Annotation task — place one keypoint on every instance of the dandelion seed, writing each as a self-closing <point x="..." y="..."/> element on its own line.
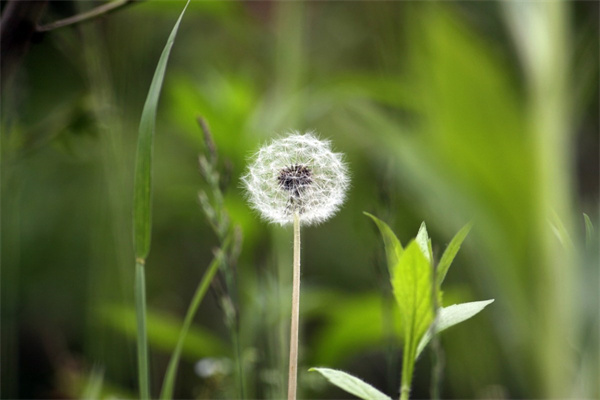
<point x="297" y="174"/>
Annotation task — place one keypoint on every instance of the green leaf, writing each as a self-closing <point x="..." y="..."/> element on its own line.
<point x="450" y="316"/>
<point x="424" y="242"/>
<point x="142" y="218"/>
<point x="412" y="282"/>
<point x="589" y="230"/>
<point x="393" y="247"/>
<point x="413" y="291"/>
<point x="451" y="252"/>
<point x="351" y="384"/>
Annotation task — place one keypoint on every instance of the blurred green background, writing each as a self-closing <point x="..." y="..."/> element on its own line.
<point x="447" y="113"/>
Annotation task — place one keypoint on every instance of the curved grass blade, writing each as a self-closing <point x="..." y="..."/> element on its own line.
<point x="142" y="199"/>
<point x="170" y="375"/>
<point x="351" y="384"/>
<point x="143" y="167"/>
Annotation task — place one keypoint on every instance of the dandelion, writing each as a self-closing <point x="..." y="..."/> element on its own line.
<point x="297" y="174"/>
<point x="296" y="179"/>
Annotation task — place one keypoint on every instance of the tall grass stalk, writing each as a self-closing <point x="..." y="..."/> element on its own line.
<point x="142" y="337"/>
<point x="213" y="206"/>
<point x="170" y="375"/>
<point x="142" y="200"/>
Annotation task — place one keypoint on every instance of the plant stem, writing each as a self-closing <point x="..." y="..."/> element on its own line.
<point x="142" y="339"/>
<point x="293" y="372"/>
<point x="171" y="374"/>
<point x="408" y="364"/>
<point x="85" y="16"/>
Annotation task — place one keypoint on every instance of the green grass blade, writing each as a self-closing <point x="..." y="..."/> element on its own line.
<point x="142" y="338"/>
<point x="169" y="380"/>
<point x="393" y="247"/>
<point x="451" y="252"/>
<point x="142" y="199"/>
<point x="143" y="167"/>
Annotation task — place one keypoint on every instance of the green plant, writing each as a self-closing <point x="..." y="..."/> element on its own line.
<point x="294" y="180"/>
<point x="416" y="283"/>
<point x="142" y="218"/>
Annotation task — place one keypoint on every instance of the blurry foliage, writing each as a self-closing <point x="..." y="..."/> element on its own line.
<point x="447" y="112"/>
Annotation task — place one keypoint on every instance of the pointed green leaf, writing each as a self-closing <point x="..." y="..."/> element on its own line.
<point x="450" y="316"/>
<point x="412" y="283"/>
<point x="423" y="241"/>
<point x="450" y="253"/>
<point x="142" y="199"/>
<point x="393" y="247"/>
<point x="351" y="384"/>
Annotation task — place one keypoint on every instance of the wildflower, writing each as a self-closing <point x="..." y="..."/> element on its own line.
<point x="297" y="174"/>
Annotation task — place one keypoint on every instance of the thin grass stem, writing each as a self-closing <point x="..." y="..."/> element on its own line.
<point x="170" y="375"/>
<point x="293" y="370"/>
<point x="142" y="338"/>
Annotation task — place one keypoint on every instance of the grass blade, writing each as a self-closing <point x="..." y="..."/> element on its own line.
<point x="169" y="380"/>
<point x="143" y="167"/>
<point x="142" y="199"/>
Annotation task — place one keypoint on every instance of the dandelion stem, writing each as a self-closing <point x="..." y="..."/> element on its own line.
<point x="293" y="371"/>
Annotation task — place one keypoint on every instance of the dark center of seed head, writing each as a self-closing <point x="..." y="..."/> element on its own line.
<point x="295" y="179"/>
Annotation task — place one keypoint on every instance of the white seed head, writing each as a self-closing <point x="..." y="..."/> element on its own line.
<point x="297" y="174"/>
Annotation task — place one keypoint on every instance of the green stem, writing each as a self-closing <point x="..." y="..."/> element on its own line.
<point x="408" y="366"/>
<point x="142" y="338"/>
<point x="169" y="382"/>
<point x="86" y="16"/>
<point x="293" y="370"/>
<point x="407" y="371"/>
<point x="238" y="361"/>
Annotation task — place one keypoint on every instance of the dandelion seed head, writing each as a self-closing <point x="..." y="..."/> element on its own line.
<point x="300" y="174"/>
